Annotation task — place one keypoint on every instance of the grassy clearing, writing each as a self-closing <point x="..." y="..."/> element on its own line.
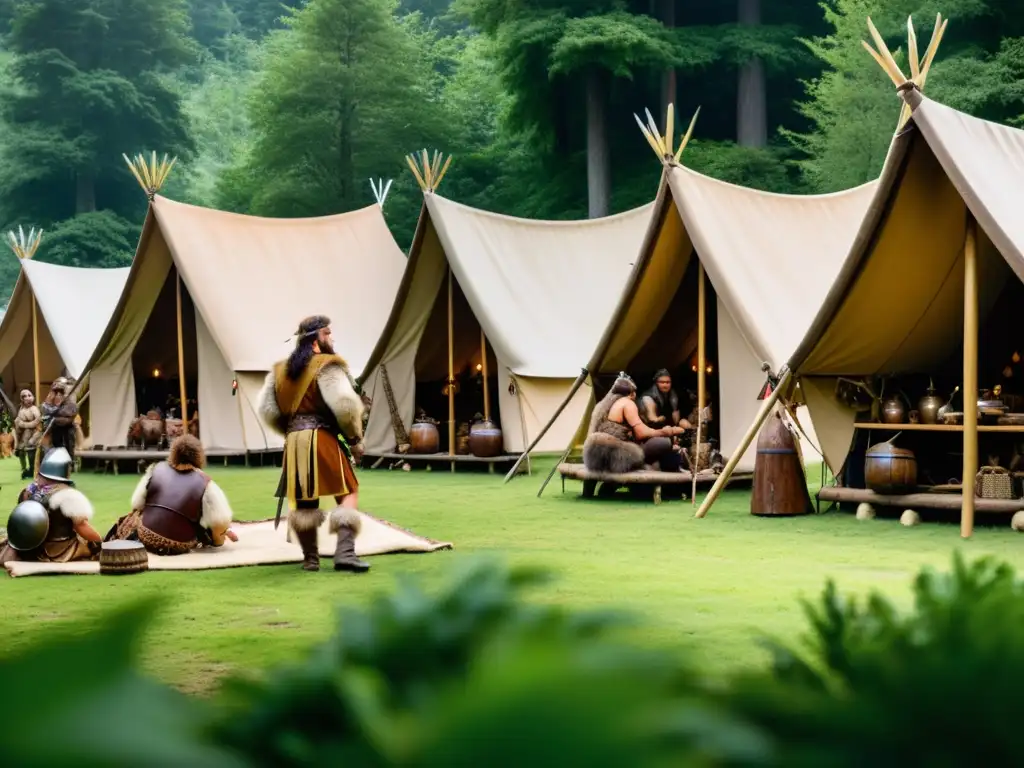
<point x="713" y="584"/>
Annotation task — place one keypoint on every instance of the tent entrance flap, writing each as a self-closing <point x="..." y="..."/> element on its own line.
<point x="155" y="357"/>
<point x="431" y="364"/>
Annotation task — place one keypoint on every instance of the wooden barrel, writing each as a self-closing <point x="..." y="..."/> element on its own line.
<point x="780" y="487"/>
<point x="485" y="439"/>
<point x="123" y="557"/>
<point x="888" y="469"/>
<point x="424" y="438"/>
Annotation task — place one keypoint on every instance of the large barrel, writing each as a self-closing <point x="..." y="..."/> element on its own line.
<point x="424" y="438"/>
<point x="888" y="469"/>
<point x="485" y="439"/>
<point x="780" y="487"/>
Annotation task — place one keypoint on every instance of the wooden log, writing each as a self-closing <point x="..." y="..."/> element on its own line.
<point x="483" y="370"/>
<point x="970" y="388"/>
<point x="917" y="500"/>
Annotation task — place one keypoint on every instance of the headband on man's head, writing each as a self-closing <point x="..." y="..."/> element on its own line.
<point x="311" y="326"/>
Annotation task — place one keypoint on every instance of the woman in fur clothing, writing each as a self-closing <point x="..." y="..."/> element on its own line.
<point x="26" y="432"/>
<point x="618" y="440"/>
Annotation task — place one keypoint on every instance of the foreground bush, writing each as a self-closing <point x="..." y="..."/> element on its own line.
<point x="476" y="675"/>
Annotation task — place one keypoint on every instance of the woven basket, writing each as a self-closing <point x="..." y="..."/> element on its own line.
<point x="994" y="483"/>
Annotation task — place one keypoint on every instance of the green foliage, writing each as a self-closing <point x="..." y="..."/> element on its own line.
<point x="96" y="239"/>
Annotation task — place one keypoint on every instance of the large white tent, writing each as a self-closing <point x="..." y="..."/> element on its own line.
<point x="244" y="283"/>
<point x="70" y="308"/>
<point x="541" y="293"/>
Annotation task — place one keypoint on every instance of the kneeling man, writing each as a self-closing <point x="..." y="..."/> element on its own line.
<point x="51" y="522"/>
<point x="176" y="507"/>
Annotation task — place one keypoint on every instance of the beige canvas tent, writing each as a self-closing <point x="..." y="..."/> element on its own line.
<point x="217" y="296"/>
<point x="768" y="260"/>
<point x="536" y="293"/>
<point x="937" y="264"/>
<point x="56" y="314"/>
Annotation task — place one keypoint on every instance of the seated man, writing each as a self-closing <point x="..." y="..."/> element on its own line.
<point x="619" y="441"/>
<point x="176" y="507"/>
<point x="67" y="534"/>
<point x="660" y="403"/>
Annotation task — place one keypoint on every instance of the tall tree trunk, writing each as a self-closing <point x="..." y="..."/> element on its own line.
<point x="669" y="88"/>
<point x="85" y="192"/>
<point x="598" y="158"/>
<point x="751" y="107"/>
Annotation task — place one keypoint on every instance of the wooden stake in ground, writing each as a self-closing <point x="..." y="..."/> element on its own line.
<point x="970" y="469"/>
<point x="25" y="247"/>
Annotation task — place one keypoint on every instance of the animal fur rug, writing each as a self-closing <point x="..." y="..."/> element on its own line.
<point x="259" y="544"/>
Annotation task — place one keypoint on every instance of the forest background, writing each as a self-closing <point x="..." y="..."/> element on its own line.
<point x="289" y="108"/>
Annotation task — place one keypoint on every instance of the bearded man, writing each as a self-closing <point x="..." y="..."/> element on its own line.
<point x="311" y="399"/>
<point x="52" y="520"/>
<point x="176" y="507"/>
<point x="26" y="432"/>
<point x="661" y="403"/>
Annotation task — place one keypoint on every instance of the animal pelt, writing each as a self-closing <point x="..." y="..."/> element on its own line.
<point x="266" y="405"/>
<point x="6" y="445"/>
<point x="306" y="519"/>
<point x="217" y="515"/>
<point x="341" y="397"/>
<point x="139" y="494"/>
<point x="343" y="517"/>
<point x="73" y="504"/>
<point x="605" y="453"/>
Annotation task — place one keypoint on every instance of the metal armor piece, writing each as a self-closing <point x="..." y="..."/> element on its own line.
<point x="27" y="526"/>
<point x="56" y="466"/>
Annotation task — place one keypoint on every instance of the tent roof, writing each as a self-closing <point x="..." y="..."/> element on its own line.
<point x="74" y="302"/>
<point x="541" y="290"/>
<point x="899" y="297"/>
<point x="770" y="257"/>
<point x="253" y="278"/>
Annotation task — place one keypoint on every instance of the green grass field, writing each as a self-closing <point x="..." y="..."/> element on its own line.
<point x="712" y="584"/>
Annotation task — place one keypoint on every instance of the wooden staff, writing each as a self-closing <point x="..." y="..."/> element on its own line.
<point x="701" y="384"/>
<point x="181" y="362"/>
<point x="35" y="346"/>
<point x="451" y="369"/>
<point x="483" y="370"/>
<point x="970" y="375"/>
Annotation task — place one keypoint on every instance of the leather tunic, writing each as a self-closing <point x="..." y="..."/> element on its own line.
<point x="174" y="502"/>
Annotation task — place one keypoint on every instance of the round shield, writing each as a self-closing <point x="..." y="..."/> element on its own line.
<point x="27" y="526"/>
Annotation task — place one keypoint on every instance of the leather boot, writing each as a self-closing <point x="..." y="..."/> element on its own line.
<point x="310" y="552"/>
<point x="345" y="553"/>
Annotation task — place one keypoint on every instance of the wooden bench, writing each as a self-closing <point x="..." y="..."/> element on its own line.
<point x="630" y="479"/>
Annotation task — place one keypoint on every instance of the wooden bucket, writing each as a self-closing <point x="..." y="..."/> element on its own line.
<point x="780" y="487"/>
<point x="888" y="469"/>
<point x="424" y="438"/>
<point x="123" y="557"/>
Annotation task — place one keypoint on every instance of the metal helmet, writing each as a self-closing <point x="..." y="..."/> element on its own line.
<point x="56" y="466"/>
<point x="27" y="526"/>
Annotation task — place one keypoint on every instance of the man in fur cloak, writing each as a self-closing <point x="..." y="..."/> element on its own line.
<point x="176" y="507"/>
<point x="60" y="408"/>
<point x="310" y="399"/>
<point x="26" y="432"/>
<point x="70" y="536"/>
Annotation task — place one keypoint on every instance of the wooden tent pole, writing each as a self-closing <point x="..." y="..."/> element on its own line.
<point x="730" y="467"/>
<point x="35" y="347"/>
<point x="451" y="369"/>
<point x="554" y="417"/>
<point x="701" y="383"/>
<point x="483" y="370"/>
<point x="182" y="393"/>
<point x="970" y="375"/>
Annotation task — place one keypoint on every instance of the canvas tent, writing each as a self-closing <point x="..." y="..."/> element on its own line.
<point x="768" y="259"/>
<point x="69" y="307"/>
<point x="244" y="283"/>
<point x="537" y="292"/>
<point x="947" y="208"/>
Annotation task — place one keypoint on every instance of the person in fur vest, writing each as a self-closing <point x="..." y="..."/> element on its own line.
<point x="176" y="506"/>
<point x="26" y="432"/>
<point x="58" y="411"/>
<point x="619" y="441"/>
<point x="70" y="535"/>
<point x="310" y="399"/>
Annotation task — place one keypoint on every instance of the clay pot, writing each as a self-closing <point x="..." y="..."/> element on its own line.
<point x="893" y="411"/>
<point x="888" y="469"/>
<point x="928" y="407"/>
<point x="424" y="438"/>
<point x="485" y="439"/>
